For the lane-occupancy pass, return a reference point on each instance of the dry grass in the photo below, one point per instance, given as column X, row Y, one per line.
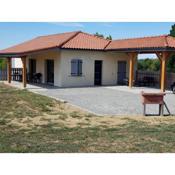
column 34, row 123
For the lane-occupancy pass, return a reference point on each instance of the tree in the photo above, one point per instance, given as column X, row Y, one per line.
column 172, row 31
column 102, row 36
column 171, row 64
column 99, row 35
column 155, row 66
column 109, row 37
column 2, row 64
column 171, row 60
column 149, row 64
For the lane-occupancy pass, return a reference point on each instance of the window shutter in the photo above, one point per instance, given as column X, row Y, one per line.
column 79, row 67
column 74, row 67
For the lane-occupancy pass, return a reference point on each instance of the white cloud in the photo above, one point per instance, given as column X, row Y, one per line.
column 69, row 24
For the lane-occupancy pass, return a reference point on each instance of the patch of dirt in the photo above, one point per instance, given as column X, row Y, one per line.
column 64, row 114
column 155, row 120
column 67, row 115
column 27, row 106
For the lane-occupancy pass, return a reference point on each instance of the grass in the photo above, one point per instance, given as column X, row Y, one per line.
column 33, row 123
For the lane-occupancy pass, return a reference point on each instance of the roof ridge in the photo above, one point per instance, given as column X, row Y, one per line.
column 155, row 36
column 58, row 34
column 107, row 44
column 96, row 36
column 70, row 38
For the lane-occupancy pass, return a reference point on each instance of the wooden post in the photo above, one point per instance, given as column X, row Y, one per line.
column 24, row 71
column 159, row 57
column 9, row 70
column 132, row 57
column 163, row 71
column 160, row 76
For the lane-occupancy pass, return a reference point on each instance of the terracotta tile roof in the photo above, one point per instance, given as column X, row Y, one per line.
column 80, row 40
column 163, row 41
column 86, row 41
column 40, row 43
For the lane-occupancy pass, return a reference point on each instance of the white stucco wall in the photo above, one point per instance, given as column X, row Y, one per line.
column 62, row 66
column 109, row 67
column 41, row 64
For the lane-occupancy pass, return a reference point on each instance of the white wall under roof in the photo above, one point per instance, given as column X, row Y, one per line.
column 16, row 63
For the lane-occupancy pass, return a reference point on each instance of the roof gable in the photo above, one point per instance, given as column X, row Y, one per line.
column 86, row 41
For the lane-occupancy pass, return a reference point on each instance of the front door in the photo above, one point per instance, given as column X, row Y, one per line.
column 50, row 71
column 32, row 68
column 98, row 72
column 121, row 74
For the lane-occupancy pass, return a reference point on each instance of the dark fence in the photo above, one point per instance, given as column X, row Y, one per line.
column 147, row 78
column 152, row 79
column 16, row 74
column 3, row 74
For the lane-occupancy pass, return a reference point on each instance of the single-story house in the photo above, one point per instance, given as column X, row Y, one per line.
column 81, row 59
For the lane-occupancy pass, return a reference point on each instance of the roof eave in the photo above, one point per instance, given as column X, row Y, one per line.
column 143, row 50
column 20, row 54
column 88, row 49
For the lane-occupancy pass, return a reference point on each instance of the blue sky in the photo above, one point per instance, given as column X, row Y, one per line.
column 13, row 33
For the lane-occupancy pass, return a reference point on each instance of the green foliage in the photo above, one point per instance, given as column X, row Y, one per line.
column 155, row 66
column 2, row 64
column 172, row 31
column 171, row 64
column 149, row 64
column 99, row 35
column 102, row 36
column 109, row 37
column 171, row 60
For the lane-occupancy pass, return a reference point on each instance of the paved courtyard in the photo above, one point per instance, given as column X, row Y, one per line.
column 110, row 100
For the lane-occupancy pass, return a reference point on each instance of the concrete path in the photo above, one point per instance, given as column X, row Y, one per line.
column 111, row 100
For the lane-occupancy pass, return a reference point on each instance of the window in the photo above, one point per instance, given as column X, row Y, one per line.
column 76, row 67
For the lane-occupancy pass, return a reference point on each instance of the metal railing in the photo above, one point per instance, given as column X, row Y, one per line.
column 147, row 78
column 3, row 74
column 16, row 74
column 152, row 79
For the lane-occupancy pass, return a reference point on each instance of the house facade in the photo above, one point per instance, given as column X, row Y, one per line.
column 74, row 68
column 77, row 59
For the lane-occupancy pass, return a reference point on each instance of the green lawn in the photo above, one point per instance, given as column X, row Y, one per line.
column 34, row 123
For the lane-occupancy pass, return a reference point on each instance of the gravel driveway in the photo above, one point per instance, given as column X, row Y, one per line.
column 114, row 100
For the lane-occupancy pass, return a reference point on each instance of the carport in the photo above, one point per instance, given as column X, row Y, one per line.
column 163, row 46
